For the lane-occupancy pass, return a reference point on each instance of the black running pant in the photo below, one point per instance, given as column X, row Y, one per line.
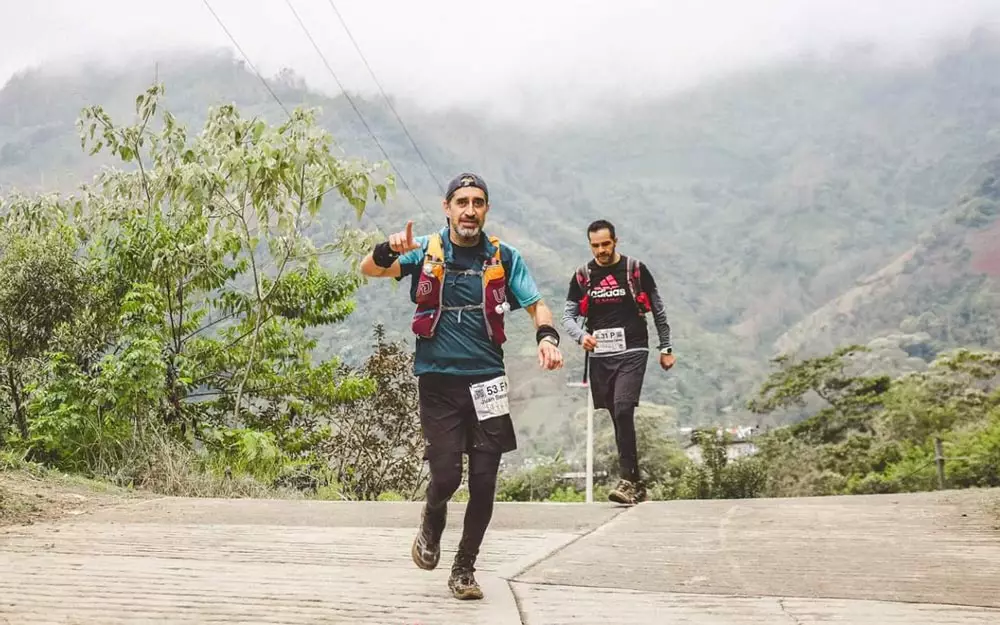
column 446, row 476
column 623, row 418
column 451, row 429
column 616, row 385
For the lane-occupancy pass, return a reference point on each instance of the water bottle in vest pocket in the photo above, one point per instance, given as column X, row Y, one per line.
column 495, row 304
column 428, row 296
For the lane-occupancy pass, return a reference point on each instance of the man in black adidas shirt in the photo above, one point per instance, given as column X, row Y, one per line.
column 613, row 293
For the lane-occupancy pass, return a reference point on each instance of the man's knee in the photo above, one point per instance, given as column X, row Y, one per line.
column 482, row 486
column 446, row 474
column 483, row 469
column 624, row 410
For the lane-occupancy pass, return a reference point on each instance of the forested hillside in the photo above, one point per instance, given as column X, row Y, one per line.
column 947, row 285
column 758, row 202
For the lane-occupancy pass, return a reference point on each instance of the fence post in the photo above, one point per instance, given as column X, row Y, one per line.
column 939, row 460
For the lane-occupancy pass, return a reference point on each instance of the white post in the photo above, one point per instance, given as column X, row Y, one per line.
column 590, row 446
column 590, row 437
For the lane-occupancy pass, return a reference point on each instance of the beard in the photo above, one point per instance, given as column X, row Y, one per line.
column 467, row 231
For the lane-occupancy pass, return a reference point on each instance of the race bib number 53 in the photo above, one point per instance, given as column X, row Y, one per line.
column 609, row 340
column 490, row 398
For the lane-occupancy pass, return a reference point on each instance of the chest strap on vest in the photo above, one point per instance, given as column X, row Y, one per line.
column 429, row 294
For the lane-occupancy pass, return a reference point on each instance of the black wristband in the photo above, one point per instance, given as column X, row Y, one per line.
column 544, row 331
column 383, row 255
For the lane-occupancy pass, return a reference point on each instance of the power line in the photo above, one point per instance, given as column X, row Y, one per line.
column 282, row 105
column 354, row 106
column 384, row 96
column 247, row 58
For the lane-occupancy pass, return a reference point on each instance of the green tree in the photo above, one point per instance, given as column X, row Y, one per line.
column 539, row 482
column 879, row 437
column 377, row 446
column 40, row 285
column 199, row 248
column 850, row 399
column 957, row 389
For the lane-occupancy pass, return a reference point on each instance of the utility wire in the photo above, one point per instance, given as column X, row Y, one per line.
column 354, row 106
column 246, row 58
column 385, row 97
column 285, row 109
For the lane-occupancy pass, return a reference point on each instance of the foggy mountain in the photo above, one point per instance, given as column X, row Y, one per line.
column 760, row 201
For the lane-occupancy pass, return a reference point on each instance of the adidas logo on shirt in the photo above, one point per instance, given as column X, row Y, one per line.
column 608, row 289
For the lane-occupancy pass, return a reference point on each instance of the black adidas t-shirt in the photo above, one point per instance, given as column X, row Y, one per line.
column 611, row 305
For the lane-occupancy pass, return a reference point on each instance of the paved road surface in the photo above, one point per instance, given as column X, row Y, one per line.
column 909, row 559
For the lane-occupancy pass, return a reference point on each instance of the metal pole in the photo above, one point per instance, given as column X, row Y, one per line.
column 590, row 428
column 590, row 446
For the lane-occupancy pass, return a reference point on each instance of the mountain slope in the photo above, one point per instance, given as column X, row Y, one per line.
column 755, row 200
column 947, row 285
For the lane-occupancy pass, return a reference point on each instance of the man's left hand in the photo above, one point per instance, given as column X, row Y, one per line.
column 549, row 356
column 667, row 361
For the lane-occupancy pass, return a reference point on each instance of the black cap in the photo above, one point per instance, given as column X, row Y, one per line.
column 466, row 180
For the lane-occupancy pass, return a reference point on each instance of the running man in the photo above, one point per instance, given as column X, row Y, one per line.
column 463, row 283
column 614, row 292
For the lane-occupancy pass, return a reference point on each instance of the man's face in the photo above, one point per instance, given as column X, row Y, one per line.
column 602, row 246
column 467, row 211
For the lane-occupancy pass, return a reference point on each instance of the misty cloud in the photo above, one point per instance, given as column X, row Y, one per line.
column 526, row 58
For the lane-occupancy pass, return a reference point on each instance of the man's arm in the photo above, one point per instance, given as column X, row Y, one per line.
column 549, row 356
column 524, row 289
column 388, row 258
column 657, row 308
column 570, row 320
column 660, row 319
column 571, row 316
column 540, row 314
column 370, row 269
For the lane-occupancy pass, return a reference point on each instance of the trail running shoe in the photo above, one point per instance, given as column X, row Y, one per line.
column 623, row 493
column 462, row 582
column 640, row 493
column 426, row 550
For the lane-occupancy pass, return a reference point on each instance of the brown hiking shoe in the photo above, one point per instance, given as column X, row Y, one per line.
column 426, row 550
column 462, row 582
column 640, row 493
column 623, row 493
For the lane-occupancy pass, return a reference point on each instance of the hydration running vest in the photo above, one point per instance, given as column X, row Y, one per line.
column 429, row 294
column 639, row 296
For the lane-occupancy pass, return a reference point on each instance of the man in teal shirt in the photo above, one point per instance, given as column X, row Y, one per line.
column 463, row 283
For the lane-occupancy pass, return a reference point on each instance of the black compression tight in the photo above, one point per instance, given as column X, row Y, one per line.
column 623, row 418
column 446, row 476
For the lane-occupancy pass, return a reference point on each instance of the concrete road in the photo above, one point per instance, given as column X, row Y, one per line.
column 914, row 559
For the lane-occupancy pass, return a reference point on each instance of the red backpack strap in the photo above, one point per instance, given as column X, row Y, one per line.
column 583, row 281
column 583, row 278
column 641, row 298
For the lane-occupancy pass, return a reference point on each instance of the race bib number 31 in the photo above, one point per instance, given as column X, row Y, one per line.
column 490, row 398
column 610, row 340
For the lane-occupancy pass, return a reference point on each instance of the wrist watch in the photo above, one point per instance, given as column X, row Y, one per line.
column 666, row 350
column 551, row 339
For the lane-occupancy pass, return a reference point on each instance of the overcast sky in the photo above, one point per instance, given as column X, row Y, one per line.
column 515, row 56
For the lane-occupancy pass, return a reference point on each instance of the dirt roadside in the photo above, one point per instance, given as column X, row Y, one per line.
column 27, row 497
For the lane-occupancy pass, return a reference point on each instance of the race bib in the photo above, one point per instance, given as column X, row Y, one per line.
column 490, row 398
column 610, row 340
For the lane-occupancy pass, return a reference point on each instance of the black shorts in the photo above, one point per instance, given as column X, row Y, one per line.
column 449, row 421
column 617, row 379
